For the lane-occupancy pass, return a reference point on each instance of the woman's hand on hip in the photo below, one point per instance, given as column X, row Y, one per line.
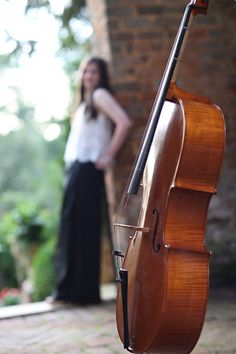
column 104, row 161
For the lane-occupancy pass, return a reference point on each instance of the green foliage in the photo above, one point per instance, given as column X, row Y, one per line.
column 10, row 296
column 43, row 277
column 32, row 168
column 7, row 262
column 22, row 232
column 30, row 186
column 74, row 10
column 4, row 60
column 31, row 4
column 11, row 300
column 28, row 223
column 43, row 271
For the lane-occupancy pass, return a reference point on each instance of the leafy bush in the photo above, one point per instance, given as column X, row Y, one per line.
column 7, row 262
column 22, row 233
column 10, row 296
column 29, row 223
column 43, row 271
column 7, row 267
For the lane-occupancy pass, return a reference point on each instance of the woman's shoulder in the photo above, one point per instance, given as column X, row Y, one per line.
column 101, row 94
column 79, row 108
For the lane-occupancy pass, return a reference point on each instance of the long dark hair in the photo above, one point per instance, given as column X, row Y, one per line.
column 104, row 82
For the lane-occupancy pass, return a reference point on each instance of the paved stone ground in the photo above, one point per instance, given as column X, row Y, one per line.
column 77, row 330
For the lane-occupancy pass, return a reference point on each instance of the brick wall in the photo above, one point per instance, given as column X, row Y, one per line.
column 136, row 38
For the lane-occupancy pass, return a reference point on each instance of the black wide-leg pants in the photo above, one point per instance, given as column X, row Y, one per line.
column 80, row 235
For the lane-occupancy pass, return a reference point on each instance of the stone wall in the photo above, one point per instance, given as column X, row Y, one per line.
column 136, row 37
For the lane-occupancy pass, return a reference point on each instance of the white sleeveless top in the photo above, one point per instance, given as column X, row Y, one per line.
column 88, row 138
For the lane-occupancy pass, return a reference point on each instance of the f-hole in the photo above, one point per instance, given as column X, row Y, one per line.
column 156, row 248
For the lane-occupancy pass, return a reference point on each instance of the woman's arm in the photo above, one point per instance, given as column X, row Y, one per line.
column 107, row 104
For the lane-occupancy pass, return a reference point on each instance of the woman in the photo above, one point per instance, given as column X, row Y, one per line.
column 91, row 147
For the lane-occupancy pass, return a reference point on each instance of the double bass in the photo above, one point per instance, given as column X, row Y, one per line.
column 161, row 257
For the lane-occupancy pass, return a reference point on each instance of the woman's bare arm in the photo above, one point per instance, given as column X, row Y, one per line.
column 107, row 104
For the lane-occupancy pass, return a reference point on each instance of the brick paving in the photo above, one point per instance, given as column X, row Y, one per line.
column 85, row 330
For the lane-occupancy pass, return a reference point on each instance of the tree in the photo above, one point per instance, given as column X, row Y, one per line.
column 31, row 167
column 72, row 44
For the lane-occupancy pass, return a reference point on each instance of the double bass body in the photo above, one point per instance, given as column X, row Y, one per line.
column 167, row 260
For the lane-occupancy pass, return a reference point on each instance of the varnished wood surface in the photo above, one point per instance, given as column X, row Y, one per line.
column 168, row 289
